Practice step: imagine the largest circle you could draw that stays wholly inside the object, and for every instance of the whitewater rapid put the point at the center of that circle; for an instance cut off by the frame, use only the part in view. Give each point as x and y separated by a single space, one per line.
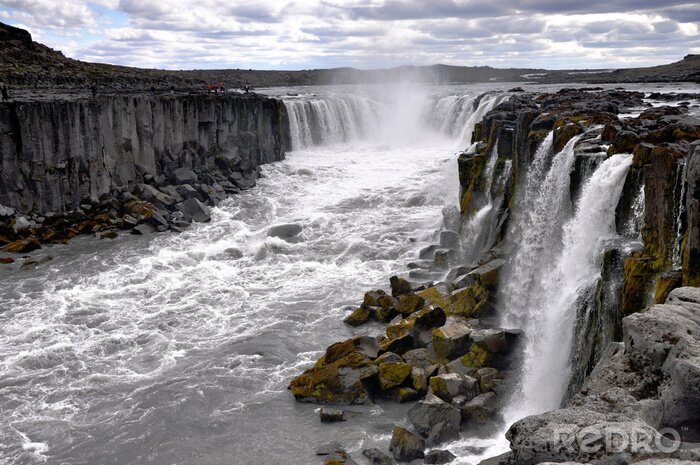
178 348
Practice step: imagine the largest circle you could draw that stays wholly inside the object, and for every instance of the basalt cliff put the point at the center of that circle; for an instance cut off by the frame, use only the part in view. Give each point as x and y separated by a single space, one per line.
148 161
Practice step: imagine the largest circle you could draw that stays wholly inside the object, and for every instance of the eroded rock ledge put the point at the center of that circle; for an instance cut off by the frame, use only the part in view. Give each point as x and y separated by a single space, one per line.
144 161
649 382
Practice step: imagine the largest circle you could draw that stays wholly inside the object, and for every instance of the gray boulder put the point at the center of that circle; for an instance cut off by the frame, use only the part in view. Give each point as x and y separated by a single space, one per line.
405 445
428 413
285 231
439 457
377 457
183 175
195 210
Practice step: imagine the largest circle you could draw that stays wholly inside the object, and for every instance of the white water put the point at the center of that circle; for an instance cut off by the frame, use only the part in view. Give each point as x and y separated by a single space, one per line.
457 114
681 184
555 259
178 348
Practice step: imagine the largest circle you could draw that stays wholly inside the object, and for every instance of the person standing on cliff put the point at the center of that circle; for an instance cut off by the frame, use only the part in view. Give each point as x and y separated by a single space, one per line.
5 95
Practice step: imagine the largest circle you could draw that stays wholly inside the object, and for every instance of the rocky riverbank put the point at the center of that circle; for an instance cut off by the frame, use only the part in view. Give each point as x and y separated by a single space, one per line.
634 367
127 162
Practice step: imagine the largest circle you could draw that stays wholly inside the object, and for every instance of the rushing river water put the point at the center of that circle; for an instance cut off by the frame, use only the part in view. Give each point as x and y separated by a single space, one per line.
178 348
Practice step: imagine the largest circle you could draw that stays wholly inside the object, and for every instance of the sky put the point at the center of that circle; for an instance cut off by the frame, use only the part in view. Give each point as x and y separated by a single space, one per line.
306 34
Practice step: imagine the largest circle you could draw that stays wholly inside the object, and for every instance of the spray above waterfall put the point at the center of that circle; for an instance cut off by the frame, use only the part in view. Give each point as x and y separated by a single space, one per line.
402 114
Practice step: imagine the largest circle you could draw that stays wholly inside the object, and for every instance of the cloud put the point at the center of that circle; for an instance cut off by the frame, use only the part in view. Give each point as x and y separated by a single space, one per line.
300 34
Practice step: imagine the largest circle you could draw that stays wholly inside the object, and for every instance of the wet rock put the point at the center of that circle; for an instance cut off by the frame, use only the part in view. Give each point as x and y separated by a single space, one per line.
285 231
399 286
449 239
401 394
339 458
342 376
450 385
400 345
109 235
359 316
406 446
143 230
434 417
183 176
371 298
194 209
389 357
393 374
328 448
377 457
154 196
691 257
329 415
22 245
481 409
6 260
420 358
409 303
451 218
486 377
439 457
20 224
451 340
419 380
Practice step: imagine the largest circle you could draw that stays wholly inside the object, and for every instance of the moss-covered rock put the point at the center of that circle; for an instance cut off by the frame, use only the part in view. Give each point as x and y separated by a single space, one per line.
451 340
477 357
436 298
399 286
22 245
392 374
409 303
667 282
343 381
358 317
564 133
639 274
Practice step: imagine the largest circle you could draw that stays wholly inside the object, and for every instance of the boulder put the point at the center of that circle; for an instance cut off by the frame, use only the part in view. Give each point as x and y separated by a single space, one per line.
371 298
419 358
409 303
329 415
328 448
439 457
344 375
183 175
194 209
399 286
22 245
393 374
430 412
358 317
285 231
377 457
451 340
481 409
405 445
339 458
450 385
442 432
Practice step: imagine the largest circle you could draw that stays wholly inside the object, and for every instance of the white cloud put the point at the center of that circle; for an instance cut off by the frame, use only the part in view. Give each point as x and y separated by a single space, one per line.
294 34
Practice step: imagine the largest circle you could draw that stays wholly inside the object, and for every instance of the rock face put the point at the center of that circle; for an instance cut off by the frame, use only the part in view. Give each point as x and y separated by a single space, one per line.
691 259
57 155
649 382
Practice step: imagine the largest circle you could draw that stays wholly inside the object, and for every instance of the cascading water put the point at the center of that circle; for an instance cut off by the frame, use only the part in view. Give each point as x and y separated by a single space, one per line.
549 330
535 235
679 214
633 226
456 115
332 119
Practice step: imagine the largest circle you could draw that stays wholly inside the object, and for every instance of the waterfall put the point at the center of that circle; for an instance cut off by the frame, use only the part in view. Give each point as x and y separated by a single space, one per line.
573 273
331 119
456 115
536 230
633 226
478 234
679 212
385 118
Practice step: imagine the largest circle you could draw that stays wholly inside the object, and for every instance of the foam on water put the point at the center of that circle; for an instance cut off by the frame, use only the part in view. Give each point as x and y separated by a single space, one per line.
180 347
